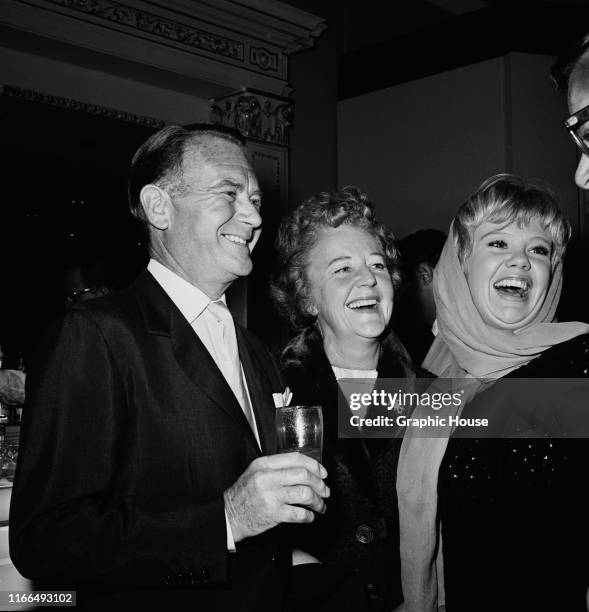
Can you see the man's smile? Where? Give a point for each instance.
(235, 239)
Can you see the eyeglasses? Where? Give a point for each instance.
(74, 296)
(574, 123)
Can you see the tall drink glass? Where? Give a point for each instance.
(300, 429)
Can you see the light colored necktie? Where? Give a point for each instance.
(228, 353)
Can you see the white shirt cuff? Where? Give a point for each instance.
(230, 540)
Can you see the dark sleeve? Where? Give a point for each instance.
(74, 517)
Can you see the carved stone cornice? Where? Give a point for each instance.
(151, 23)
(231, 43)
(257, 115)
(93, 109)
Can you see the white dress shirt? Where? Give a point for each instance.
(192, 303)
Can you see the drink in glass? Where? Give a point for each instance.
(300, 429)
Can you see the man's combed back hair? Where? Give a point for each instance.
(565, 64)
(158, 160)
(298, 234)
(505, 199)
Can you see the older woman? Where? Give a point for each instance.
(335, 282)
(512, 510)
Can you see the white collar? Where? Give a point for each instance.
(189, 299)
(348, 373)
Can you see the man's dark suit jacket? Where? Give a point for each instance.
(130, 437)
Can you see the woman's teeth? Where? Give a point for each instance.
(362, 304)
(513, 286)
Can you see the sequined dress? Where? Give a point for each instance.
(515, 512)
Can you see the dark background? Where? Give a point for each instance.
(63, 198)
(64, 171)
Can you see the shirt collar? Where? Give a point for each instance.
(190, 300)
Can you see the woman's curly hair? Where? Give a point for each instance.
(298, 234)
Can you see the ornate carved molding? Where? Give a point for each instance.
(256, 115)
(225, 43)
(93, 109)
(153, 24)
(264, 59)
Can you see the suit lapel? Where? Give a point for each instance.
(163, 318)
(200, 367)
(260, 390)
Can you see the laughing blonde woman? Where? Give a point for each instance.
(501, 523)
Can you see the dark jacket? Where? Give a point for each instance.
(130, 436)
(514, 508)
(357, 537)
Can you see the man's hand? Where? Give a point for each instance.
(12, 387)
(273, 490)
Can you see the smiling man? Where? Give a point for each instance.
(146, 478)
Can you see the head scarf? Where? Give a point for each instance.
(466, 346)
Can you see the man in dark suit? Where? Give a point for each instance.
(146, 477)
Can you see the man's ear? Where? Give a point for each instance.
(425, 274)
(156, 205)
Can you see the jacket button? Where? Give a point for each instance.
(364, 534)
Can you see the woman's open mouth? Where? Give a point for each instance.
(513, 287)
(363, 304)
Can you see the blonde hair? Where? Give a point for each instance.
(506, 198)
